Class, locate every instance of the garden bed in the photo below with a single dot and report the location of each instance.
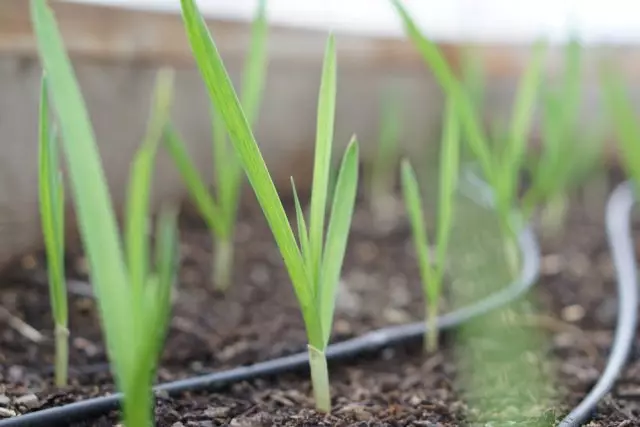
(259, 320)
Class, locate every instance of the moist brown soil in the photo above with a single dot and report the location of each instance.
(258, 319)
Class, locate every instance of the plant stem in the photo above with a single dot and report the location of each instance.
(512, 255)
(320, 379)
(432, 336)
(553, 215)
(138, 410)
(222, 263)
(62, 355)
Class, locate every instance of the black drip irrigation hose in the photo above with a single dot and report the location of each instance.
(619, 233)
(349, 349)
(619, 206)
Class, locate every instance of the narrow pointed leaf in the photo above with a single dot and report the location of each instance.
(140, 185)
(452, 88)
(449, 163)
(337, 235)
(224, 97)
(413, 203)
(96, 217)
(322, 163)
(211, 213)
(303, 234)
(522, 118)
(254, 70)
(51, 210)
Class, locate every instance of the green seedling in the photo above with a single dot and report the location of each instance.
(625, 122)
(51, 193)
(382, 174)
(221, 214)
(314, 266)
(473, 78)
(432, 272)
(566, 157)
(501, 164)
(133, 293)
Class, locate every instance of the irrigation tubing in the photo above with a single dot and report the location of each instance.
(618, 222)
(395, 335)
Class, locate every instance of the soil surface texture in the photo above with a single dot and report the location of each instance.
(556, 341)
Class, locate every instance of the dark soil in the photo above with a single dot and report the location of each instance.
(258, 319)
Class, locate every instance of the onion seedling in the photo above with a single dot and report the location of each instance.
(381, 177)
(221, 214)
(562, 164)
(51, 195)
(431, 273)
(625, 123)
(133, 293)
(315, 264)
(501, 166)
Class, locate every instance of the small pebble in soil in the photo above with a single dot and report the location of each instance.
(260, 275)
(396, 316)
(551, 265)
(359, 412)
(366, 252)
(218, 412)
(7, 413)
(573, 313)
(29, 262)
(28, 400)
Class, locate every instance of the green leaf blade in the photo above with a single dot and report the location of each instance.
(224, 97)
(95, 214)
(212, 214)
(453, 88)
(413, 202)
(337, 235)
(51, 196)
(322, 162)
(137, 245)
(450, 158)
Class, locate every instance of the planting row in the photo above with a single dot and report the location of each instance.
(134, 280)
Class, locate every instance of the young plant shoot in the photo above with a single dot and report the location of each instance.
(562, 164)
(501, 164)
(432, 272)
(382, 174)
(220, 215)
(51, 193)
(315, 264)
(625, 123)
(133, 293)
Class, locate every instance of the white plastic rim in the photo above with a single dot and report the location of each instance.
(497, 21)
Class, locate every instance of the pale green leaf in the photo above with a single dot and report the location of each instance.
(139, 189)
(452, 88)
(51, 210)
(449, 164)
(203, 199)
(519, 131)
(224, 97)
(413, 203)
(337, 235)
(322, 162)
(96, 218)
(303, 233)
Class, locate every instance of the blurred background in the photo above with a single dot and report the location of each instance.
(118, 45)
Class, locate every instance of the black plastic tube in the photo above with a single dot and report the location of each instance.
(619, 234)
(618, 220)
(349, 349)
